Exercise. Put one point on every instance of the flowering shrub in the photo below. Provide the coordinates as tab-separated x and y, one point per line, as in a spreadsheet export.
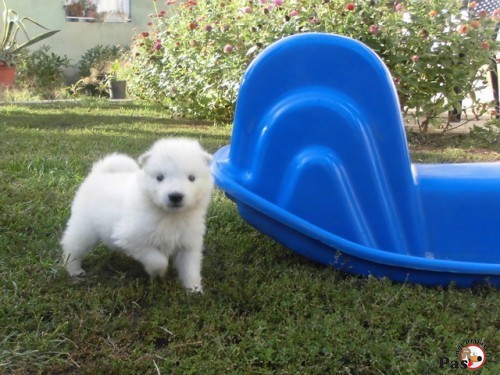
193	54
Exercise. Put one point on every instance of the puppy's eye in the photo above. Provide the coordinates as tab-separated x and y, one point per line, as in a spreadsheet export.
191	178
160	177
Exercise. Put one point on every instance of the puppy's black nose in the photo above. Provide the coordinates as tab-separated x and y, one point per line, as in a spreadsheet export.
175	198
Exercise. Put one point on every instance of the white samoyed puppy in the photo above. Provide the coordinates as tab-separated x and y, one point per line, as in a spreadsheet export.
153	209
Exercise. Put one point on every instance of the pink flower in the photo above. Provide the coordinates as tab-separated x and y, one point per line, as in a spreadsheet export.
398	7
268	8
350	7
485	45
415	58
482	13
314	20
463	29
496	15
374	29
157	45
475	24
162	13
170	2
294	13
228	48
278	2
246	10
208	28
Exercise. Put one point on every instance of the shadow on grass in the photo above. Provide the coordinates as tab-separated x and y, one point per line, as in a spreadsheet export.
80	116
101	128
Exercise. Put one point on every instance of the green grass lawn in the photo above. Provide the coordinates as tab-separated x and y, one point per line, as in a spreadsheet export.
265	309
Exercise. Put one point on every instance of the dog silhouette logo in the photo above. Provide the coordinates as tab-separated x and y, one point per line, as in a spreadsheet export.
473	355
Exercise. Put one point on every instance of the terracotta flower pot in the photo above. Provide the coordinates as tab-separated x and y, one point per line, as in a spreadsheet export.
7	75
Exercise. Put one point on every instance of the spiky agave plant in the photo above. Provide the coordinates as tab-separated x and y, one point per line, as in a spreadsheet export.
12	25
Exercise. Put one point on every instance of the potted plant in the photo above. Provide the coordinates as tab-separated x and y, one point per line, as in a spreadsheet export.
74	9
80	8
117	79
91	10
10	47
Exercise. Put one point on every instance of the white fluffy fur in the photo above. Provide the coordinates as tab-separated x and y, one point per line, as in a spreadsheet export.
153	209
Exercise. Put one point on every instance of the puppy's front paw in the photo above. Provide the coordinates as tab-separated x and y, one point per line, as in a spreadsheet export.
155	264
74	271
196	289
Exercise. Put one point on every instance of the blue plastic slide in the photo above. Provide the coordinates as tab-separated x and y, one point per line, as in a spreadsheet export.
319	161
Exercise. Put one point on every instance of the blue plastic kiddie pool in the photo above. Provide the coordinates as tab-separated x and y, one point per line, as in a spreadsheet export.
319	161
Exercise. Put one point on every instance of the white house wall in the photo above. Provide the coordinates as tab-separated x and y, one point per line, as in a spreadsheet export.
77	37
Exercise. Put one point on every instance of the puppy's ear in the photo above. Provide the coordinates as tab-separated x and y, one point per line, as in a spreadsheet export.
207	157
143	159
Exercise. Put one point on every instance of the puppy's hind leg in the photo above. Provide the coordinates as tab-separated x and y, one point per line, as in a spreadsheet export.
154	262
76	243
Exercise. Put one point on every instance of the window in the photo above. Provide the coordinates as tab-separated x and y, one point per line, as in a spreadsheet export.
97	10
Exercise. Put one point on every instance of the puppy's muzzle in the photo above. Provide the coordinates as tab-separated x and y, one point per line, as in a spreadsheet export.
175	199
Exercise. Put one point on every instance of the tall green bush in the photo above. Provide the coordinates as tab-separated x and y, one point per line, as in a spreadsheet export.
100	58
41	72
193	54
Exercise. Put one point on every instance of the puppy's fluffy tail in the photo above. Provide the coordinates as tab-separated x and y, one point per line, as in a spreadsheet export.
115	163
